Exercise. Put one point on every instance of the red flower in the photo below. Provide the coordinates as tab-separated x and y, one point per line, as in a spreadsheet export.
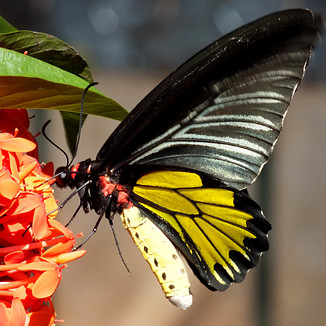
34	247
12	120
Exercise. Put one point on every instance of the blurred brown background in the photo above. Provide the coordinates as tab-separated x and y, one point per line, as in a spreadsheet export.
132	45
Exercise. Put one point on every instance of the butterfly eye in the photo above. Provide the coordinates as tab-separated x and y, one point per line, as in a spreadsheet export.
61	177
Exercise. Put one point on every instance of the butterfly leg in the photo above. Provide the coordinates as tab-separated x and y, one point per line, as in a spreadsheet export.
74	215
92	233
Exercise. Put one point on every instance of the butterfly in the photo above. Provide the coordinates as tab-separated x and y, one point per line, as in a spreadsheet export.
178	167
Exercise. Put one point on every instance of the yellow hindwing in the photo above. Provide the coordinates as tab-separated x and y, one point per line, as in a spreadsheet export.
209	222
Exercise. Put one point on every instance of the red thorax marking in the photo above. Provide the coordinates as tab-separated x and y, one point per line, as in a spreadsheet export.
74	169
108	187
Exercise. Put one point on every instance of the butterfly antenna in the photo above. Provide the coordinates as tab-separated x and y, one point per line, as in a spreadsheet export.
81	120
54	144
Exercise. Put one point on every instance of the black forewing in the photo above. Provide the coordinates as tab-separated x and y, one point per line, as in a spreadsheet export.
221	112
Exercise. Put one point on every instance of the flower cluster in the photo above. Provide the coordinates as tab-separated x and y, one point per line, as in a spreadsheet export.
34	247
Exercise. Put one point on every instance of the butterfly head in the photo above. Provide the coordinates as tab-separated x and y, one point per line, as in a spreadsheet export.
61	178
73	176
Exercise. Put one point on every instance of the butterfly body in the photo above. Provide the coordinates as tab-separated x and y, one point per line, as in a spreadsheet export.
161	255
184	157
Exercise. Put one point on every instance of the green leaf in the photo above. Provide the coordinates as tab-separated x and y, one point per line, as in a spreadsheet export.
71	125
55	52
40	71
37	93
31	83
26	82
6	27
48	49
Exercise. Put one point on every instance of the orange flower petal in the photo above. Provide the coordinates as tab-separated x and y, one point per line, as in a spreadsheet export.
40	224
16	284
34	184
26	203
62	247
18	313
15	227
15	144
70	256
31	270
51	205
8	267
26	159
15	257
13	161
23	173
62	229
41	318
20	293
35	245
37	266
4	173
5	316
46	284
9	189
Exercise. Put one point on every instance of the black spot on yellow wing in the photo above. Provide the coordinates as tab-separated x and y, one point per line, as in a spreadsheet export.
221	231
